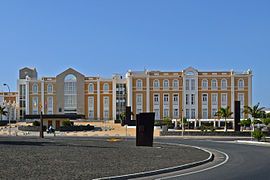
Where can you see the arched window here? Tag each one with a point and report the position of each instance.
(204, 84)
(91, 88)
(106, 87)
(214, 84)
(175, 83)
(139, 84)
(166, 84)
(240, 84)
(223, 84)
(35, 88)
(156, 83)
(50, 88)
(70, 94)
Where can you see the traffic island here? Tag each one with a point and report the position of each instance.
(86, 158)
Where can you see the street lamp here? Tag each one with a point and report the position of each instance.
(8, 108)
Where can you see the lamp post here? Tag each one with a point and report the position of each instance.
(8, 108)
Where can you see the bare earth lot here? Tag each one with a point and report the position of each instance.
(85, 157)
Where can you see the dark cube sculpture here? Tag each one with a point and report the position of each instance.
(237, 115)
(145, 129)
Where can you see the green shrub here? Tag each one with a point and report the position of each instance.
(36, 123)
(246, 122)
(258, 135)
(67, 123)
(266, 121)
(211, 128)
(256, 121)
(167, 121)
(203, 128)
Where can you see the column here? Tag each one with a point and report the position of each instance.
(114, 98)
(42, 96)
(27, 97)
(232, 94)
(98, 99)
(147, 95)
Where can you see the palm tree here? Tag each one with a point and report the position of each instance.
(2, 111)
(225, 113)
(254, 111)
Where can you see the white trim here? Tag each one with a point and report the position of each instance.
(42, 96)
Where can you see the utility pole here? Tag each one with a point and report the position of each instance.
(9, 130)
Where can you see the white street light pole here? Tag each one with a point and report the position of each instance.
(8, 108)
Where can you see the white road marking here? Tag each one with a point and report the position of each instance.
(194, 172)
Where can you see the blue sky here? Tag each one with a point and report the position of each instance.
(106, 37)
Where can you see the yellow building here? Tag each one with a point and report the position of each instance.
(189, 93)
(192, 94)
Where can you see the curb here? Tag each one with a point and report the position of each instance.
(165, 170)
(252, 142)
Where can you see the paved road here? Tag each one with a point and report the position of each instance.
(245, 161)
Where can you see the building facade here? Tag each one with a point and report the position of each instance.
(189, 93)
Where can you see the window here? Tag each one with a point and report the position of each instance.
(224, 99)
(187, 99)
(214, 84)
(106, 87)
(139, 84)
(241, 98)
(91, 114)
(156, 99)
(214, 99)
(35, 89)
(91, 88)
(166, 84)
(223, 84)
(157, 116)
(175, 99)
(175, 113)
(49, 105)
(50, 88)
(175, 84)
(166, 98)
(192, 84)
(192, 113)
(138, 98)
(106, 101)
(192, 99)
(70, 94)
(35, 105)
(204, 84)
(166, 113)
(214, 111)
(205, 114)
(240, 84)
(241, 113)
(138, 110)
(106, 114)
(156, 84)
(187, 114)
(187, 84)
(204, 99)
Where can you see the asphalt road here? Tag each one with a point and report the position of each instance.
(245, 161)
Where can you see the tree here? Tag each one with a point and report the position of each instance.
(3, 111)
(225, 113)
(254, 111)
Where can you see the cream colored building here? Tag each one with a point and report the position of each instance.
(189, 93)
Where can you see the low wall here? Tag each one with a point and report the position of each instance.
(77, 128)
(31, 128)
(199, 133)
